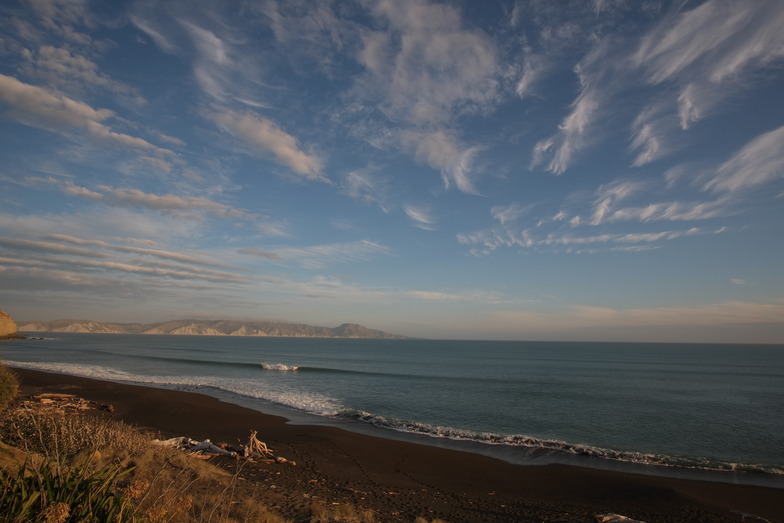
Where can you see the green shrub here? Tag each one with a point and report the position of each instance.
(9, 386)
(52, 490)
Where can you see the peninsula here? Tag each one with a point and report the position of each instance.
(210, 328)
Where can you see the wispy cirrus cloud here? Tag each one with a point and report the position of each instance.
(319, 256)
(705, 52)
(758, 162)
(484, 242)
(441, 150)
(423, 68)
(507, 213)
(598, 77)
(708, 51)
(420, 217)
(369, 186)
(69, 71)
(262, 135)
(609, 195)
(652, 136)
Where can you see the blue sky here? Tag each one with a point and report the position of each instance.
(602, 170)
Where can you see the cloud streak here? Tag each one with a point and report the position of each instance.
(320, 256)
(39, 107)
(168, 203)
(263, 136)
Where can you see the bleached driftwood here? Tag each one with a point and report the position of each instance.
(256, 447)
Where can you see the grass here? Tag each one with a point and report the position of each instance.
(58, 468)
(86, 468)
(9, 386)
(52, 490)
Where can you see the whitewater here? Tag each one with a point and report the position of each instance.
(662, 408)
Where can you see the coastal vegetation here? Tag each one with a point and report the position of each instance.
(59, 466)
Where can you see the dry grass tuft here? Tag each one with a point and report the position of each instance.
(55, 433)
(9, 386)
(160, 485)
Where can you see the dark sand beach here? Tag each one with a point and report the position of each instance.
(401, 481)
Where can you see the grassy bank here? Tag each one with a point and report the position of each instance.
(58, 466)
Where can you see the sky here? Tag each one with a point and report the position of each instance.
(524, 170)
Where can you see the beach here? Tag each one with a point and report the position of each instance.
(401, 481)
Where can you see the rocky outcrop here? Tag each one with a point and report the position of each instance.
(8, 327)
(211, 328)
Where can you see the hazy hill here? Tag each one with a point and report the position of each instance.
(209, 327)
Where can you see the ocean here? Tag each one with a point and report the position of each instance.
(713, 411)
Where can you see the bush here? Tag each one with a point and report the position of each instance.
(51, 490)
(9, 386)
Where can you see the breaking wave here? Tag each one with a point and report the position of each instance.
(280, 367)
(557, 446)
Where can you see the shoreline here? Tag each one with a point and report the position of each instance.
(514, 455)
(401, 480)
(558, 453)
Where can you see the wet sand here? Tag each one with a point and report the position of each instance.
(400, 480)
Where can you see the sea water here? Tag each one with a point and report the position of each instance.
(662, 407)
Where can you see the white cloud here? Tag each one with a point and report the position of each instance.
(607, 196)
(710, 50)
(39, 107)
(532, 71)
(170, 202)
(598, 81)
(706, 52)
(63, 16)
(135, 198)
(157, 253)
(63, 68)
(47, 247)
(55, 254)
(426, 63)
(506, 213)
(484, 242)
(100, 222)
(652, 134)
(264, 136)
(758, 162)
(212, 65)
(719, 38)
(420, 216)
(673, 211)
(366, 185)
(441, 150)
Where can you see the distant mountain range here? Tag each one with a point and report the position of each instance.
(210, 328)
